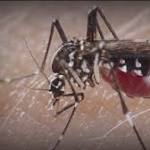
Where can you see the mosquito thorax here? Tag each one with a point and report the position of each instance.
(65, 52)
(68, 52)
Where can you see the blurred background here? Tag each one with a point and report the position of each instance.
(26, 123)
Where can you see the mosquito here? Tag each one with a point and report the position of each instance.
(82, 63)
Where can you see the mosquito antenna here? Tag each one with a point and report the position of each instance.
(9, 80)
(39, 89)
(35, 61)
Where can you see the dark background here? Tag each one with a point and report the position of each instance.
(25, 121)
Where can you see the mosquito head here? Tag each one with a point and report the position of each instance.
(57, 84)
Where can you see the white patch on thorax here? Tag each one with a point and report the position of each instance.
(71, 55)
(71, 58)
(71, 63)
(82, 44)
(84, 67)
(101, 45)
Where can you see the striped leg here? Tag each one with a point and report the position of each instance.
(126, 111)
(62, 36)
(76, 98)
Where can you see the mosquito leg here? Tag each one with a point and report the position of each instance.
(63, 37)
(53, 102)
(69, 105)
(96, 68)
(65, 108)
(73, 74)
(56, 100)
(72, 113)
(126, 111)
(107, 23)
(99, 30)
(91, 26)
(71, 94)
(66, 127)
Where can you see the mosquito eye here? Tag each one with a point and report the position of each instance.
(55, 82)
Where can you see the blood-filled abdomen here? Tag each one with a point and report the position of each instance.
(131, 83)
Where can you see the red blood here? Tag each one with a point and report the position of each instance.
(130, 83)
